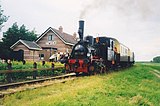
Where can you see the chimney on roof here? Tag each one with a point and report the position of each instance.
(74, 34)
(61, 29)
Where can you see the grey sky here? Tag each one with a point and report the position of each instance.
(135, 23)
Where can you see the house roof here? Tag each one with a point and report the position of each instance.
(29, 44)
(66, 38)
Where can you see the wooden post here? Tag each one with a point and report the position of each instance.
(9, 75)
(43, 63)
(35, 70)
(52, 66)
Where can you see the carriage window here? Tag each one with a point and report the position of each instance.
(112, 45)
(125, 51)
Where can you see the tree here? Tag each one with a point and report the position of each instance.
(12, 35)
(3, 18)
(156, 59)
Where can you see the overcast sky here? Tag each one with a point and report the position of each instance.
(135, 23)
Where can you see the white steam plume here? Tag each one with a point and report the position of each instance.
(144, 8)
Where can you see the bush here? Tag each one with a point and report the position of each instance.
(3, 66)
(156, 59)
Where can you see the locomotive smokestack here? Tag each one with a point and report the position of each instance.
(81, 29)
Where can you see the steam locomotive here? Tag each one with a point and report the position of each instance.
(97, 55)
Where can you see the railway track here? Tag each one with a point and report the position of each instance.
(12, 86)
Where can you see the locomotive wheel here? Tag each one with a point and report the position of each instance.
(102, 69)
(66, 68)
(91, 69)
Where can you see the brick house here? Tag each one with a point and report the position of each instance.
(49, 45)
(25, 50)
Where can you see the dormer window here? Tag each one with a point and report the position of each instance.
(50, 37)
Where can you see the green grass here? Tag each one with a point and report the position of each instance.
(153, 65)
(130, 87)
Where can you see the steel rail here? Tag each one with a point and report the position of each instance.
(12, 85)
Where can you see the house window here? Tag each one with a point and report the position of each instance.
(50, 37)
(41, 56)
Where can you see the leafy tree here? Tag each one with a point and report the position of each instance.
(3, 18)
(156, 59)
(12, 35)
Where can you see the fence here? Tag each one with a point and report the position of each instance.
(14, 75)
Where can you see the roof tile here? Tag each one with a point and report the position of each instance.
(31, 44)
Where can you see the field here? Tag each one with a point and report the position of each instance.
(134, 86)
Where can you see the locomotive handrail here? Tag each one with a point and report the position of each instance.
(28, 70)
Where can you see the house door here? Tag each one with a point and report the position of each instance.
(18, 55)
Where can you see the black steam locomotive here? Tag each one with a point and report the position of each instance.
(97, 55)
